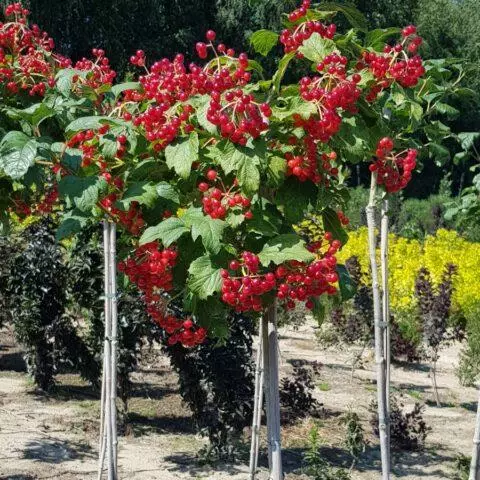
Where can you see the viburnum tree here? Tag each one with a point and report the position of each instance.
(206, 166)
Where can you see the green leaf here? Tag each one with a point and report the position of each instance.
(277, 168)
(145, 193)
(168, 231)
(72, 222)
(244, 161)
(347, 286)
(467, 139)
(204, 279)
(295, 197)
(439, 153)
(282, 248)
(182, 153)
(448, 110)
(83, 192)
(109, 146)
(122, 87)
(211, 231)
(286, 107)
(351, 13)
(35, 114)
(17, 154)
(332, 224)
(316, 48)
(263, 41)
(168, 192)
(282, 68)
(63, 80)
(377, 38)
(201, 112)
(88, 123)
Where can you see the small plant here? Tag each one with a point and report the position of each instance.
(317, 466)
(434, 308)
(461, 467)
(408, 430)
(296, 393)
(355, 441)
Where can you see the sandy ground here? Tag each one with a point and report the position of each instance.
(56, 437)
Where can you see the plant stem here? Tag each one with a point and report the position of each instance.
(383, 419)
(270, 359)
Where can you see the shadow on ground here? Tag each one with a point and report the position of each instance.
(56, 451)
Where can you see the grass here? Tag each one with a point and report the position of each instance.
(324, 387)
(415, 394)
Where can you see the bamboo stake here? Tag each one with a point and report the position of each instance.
(114, 345)
(475, 463)
(256, 406)
(383, 419)
(259, 412)
(270, 357)
(386, 304)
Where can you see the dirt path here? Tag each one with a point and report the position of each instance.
(56, 437)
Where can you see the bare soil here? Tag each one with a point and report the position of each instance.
(56, 436)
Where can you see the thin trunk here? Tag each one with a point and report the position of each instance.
(103, 401)
(383, 419)
(114, 340)
(475, 463)
(256, 407)
(386, 303)
(433, 371)
(270, 356)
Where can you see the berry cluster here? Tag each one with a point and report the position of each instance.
(244, 286)
(238, 116)
(217, 202)
(292, 38)
(395, 63)
(394, 171)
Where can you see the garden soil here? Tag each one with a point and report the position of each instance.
(56, 436)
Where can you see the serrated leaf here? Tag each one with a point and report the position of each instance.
(35, 114)
(17, 157)
(182, 153)
(347, 286)
(295, 197)
(286, 107)
(145, 193)
(448, 110)
(122, 87)
(201, 112)
(243, 161)
(282, 248)
(167, 191)
(88, 123)
(277, 168)
(234, 219)
(316, 48)
(351, 13)
(168, 231)
(331, 223)
(109, 146)
(72, 222)
(204, 279)
(467, 139)
(263, 41)
(439, 153)
(210, 229)
(377, 38)
(83, 192)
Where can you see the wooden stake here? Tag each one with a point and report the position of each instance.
(386, 305)
(114, 344)
(257, 405)
(380, 327)
(270, 358)
(475, 463)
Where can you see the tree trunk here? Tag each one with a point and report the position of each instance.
(270, 359)
(383, 419)
(475, 463)
(257, 405)
(433, 372)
